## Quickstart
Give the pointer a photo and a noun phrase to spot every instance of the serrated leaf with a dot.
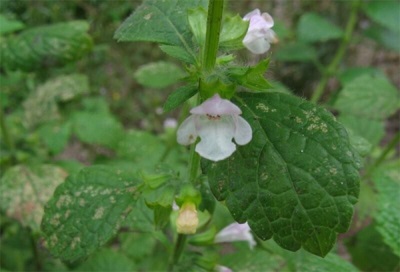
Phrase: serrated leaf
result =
(297, 180)
(387, 181)
(296, 52)
(87, 210)
(251, 77)
(179, 96)
(97, 128)
(45, 46)
(368, 97)
(159, 21)
(107, 260)
(315, 28)
(385, 13)
(9, 25)
(234, 28)
(178, 52)
(158, 74)
(25, 190)
(371, 130)
(41, 105)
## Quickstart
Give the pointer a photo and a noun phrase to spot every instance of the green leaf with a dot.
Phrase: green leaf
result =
(386, 37)
(137, 246)
(87, 210)
(296, 52)
(315, 28)
(234, 28)
(158, 74)
(178, 52)
(297, 180)
(41, 105)
(55, 135)
(352, 73)
(368, 97)
(360, 144)
(25, 190)
(197, 19)
(279, 87)
(179, 96)
(159, 21)
(45, 46)
(97, 128)
(107, 260)
(385, 13)
(9, 25)
(371, 130)
(387, 182)
(251, 77)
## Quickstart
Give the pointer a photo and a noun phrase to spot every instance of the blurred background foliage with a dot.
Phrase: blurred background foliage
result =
(105, 89)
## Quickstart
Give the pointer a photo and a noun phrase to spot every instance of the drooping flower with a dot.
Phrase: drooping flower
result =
(259, 36)
(216, 122)
(235, 232)
(187, 220)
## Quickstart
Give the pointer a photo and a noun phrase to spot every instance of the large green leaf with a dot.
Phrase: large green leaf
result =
(46, 46)
(160, 21)
(297, 180)
(9, 25)
(25, 190)
(315, 28)
(387, 181)
(87, 210)
(107, 260)
(385, 13)
(159, 74)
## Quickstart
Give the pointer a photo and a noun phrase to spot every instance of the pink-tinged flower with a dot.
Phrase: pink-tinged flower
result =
(221, 268)
(216, 122)
(235, 232)
(259, 35)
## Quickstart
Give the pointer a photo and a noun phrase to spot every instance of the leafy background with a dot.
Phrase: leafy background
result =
(81, 98)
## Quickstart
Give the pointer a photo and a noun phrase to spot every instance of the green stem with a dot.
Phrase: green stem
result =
(214, 18)
(179, 246)
(333, 66)
(6, 135)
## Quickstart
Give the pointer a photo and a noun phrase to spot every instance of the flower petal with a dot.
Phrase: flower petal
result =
(216, 106)
(243, 132)
(271, 36)
(268, 19)
(186, 133)
(235, 232)
(216, 138)
(257, 46)
(251, 14)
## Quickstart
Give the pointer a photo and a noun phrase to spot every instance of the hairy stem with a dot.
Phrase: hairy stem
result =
(333, 66)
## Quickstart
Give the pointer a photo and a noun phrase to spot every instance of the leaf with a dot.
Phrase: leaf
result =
(386, 37)
(179, 53)
(251, 77)
(385, 13)
(233, 31)
(9, 25)
(55, 135)
(197, 19)
(41, 105)
(87, 210)
(107, 260)
(296, 52)
(297, 180)
(179, 96)
(352, 73)
(371, 130)
(368, 97)
(159, 21)
(315, 28)
(25, 190)
(45, 46)
(360, 144)
(387, 182)
(97, 128)
(158, 74)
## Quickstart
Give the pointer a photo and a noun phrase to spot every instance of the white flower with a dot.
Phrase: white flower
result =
(170, 123)
(259, 35)
(216, 122)
(221, 268)
(235, 232)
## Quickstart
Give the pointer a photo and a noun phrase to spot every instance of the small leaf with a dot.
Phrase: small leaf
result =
(371, 130)
(296, 52)
(44, 46)
(9, 25)
(158, 74)
(107, 260)
(197, 19)
(385, 13)
(179, 96)
(25, 190)
(387, 181)
(297, 180)
(251, 77)
(386, 37)
(55, 135)
(352, 73)
(178, 52)
(315, 28)
(234, 28)
(368, 97)
(86, 211)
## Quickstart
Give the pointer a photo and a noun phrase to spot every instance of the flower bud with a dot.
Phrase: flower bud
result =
(187, 220)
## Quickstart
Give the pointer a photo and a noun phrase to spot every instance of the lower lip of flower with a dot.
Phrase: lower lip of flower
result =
(213, 117)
